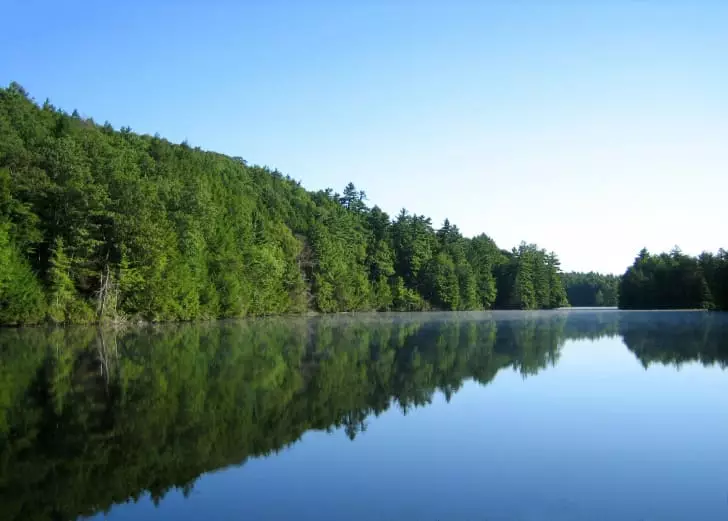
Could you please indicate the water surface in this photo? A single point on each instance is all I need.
(565, 415)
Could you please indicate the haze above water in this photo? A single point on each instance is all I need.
(564, 415)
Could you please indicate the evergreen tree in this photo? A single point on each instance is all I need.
(673, 281)
(21, 297)
(483, 256)
(440, 283)
(557, 289)
(100, 225)
(65, 305)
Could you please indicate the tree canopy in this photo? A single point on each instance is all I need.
(591, 289)
(98, 224)
(675, 281)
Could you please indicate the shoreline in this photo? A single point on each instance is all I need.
(142, 323)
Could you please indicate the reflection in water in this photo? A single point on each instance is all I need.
(92, 418)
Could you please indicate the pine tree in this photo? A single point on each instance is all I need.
(557, 290)
(21, 297)
(62, 290)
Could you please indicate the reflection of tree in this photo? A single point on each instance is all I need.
(592, 325)
(531, 344)
(677, 338)
(667, 337)
(90, 419)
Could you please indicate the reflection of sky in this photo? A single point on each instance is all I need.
(598, 437)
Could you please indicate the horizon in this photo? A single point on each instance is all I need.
(378, 111)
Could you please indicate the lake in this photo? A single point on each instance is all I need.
(581, 415)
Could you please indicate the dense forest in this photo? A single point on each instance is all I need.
(98, 224)
(92, 417)
(676, 281)
(591, 289)
(104, 225)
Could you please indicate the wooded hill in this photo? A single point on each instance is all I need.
(98, 224)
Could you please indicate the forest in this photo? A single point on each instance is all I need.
(676, 281)
(591, 289)
(93, 417)
(98, 224)
(105, 225)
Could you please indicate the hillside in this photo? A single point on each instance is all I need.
(98, 224)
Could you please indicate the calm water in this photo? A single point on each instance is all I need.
(573, 415)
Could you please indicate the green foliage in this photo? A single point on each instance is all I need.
(715, 272)
(483, 256)
(591, 289)
(340, 278)
(440, 282)
(102, 225)
(65, 305)
(468, 298)
(675, 281)
(557, 290)
(414, 242)
(529, 279)
(21, 297)
(405, 299)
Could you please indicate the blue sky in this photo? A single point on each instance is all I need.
(592, 129)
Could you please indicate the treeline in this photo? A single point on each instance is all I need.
(98, 224)
(591, 289)
(676, 281)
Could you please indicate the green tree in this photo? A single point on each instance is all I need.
(112, 225)
(62, 290)
(672, 280)
(484, 256)
(440, 283)
(21, 297)
(557, 289)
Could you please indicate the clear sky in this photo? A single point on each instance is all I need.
(592, 129)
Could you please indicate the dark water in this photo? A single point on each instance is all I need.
(580, 415)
